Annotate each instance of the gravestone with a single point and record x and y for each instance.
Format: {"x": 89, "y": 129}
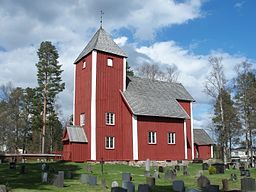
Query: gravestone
{"x": 242, "y": 172}
{"x": 156, "y": 174}
{"x": 84, "y": 178}
{"x": 143, "y": 188}
{"x": 58, "y": 180}
{"x": 205, "y": 166}
{"x": 150, "y": 181}
{"x": 12, "y": 165}
{"x": 248, "y": 184}
{"x": 92, "y": 180}
{"x": 203, "y": 182}
{"x": 224, "y": 184}
{"x": 3, "y": 188}
{"x": 147, "y": 165}
{"x": 247, "y": 173}
{"x": 161, "y": 169}
{"x": 212, "y": 188}
{"x": 129, "y": 186}
{"x": 126, "y": 176}
{"x": 68, "y": 175}
{"x": 118, "y": 189}
{"x": 0, "y": 161}
{"x": 220, "y": 168}
{"x": 44, "y": 177}
{"x": 170, "y": 174}
{"x": 178, "y": 186}
{"x": 114, "y": 184}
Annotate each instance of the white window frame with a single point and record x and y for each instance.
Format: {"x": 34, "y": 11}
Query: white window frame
{"x": 110, "y": 62}
{"x": 110, "y": 142}
{"x": 151, "y": 137}
{"x": 171, "y": 138}
{"x": 82, "y": 119}
{"x": 110, "y": 118}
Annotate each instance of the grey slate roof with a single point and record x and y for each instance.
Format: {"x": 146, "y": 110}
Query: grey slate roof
{"x": 101, "y": 41}
{"x": 201, "y": 137}
{"x": 156, "y": 98}
{"x": 76, "y": 134}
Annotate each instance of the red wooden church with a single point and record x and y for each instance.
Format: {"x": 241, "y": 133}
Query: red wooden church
{"x": 125, "y": 118}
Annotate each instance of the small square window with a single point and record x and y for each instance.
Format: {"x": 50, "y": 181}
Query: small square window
{"x": 110, "y": 118}
{"x": 171, "y": 138}
{"x": 84, "y": 64}
{"x": 109, "y": 142}
{"x": 82, "y": 119}
{"x": 110, "y": 62}
{"x": 152, "y": 137}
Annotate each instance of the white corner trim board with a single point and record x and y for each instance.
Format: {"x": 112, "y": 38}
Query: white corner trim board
{"x": 124, "y": 74}
{"x": 93, "y": 106}
{"x": 185, "y": 139}
{"x": 192, "y": 130}
{"x": 135, "y": 137}
{"x": 74, "y": 95}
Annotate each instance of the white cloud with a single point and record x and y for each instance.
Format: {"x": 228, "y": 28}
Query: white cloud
{"x": 121, "y": 41}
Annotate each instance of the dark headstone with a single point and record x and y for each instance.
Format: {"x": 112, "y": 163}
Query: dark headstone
{"x": 242, "y": 172}
{"x": 203, "y": 182}
{"x": 225, "y": 184}
{"x": 150, "y": 181}
{"x": 3, "y": 188}
{"x": 248, "y": 184}
{"x": 12, "y": 165}
{"x": 241, "y": 168}
{"x": 220, "y": 168}
{"x": 212, "y": 188}
{"x": 205, "y": 166}
{"x": 143, "y": 188}
{"x": 118, "y": 189}
{"x": 178, "y": 186}
{"x": 161, "y": 169}
{"x": 68, "y": 175}
{"x": 126, "y": 176}
{"x": 129, "y": 186}
{"x": 247, "y": 173}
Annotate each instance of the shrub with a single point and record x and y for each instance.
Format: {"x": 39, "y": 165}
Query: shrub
{"x": 212, "y": 170}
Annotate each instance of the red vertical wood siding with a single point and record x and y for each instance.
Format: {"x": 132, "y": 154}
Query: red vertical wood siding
{"x": 83, "y": 99}
{"x": 204, "y": 151}
{"x": 78, "y": 152}
{"x": 186, "y": 106}
{"x": 108, "y": 99}
{"x": 161, "y": 150}
{"x": 127, "y": 132}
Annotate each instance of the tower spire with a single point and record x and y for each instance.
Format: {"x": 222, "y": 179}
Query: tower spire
{"x": 101, "y": 18}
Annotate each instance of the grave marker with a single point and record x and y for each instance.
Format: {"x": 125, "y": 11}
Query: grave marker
{"x": 248, "y": 184}
{"x": 118, "y": 189}
{"x": 178, "y": 186}
{"x": 143, "y": 188}
{"x": 161, "y": 169}
{"x": 58, "y": 180}
{"x": 126, "y": 176}
{"x": 114, "y": 184}
{"x": 150, "y": 181}
{"x": 203, "y": 181}
{"x": 147, "y": 165}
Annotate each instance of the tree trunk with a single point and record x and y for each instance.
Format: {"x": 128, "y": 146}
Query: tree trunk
{"x": 44, "y": 121}
{"x": 224, "y": 158}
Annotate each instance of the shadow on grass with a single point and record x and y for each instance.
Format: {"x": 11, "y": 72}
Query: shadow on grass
{"x": 31, "y": 179}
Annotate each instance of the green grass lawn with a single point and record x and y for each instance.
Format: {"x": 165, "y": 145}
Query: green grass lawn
{"x": 31, "y": 181}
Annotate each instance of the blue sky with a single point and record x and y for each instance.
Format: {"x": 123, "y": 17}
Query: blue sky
{"x": 184, "y": 33}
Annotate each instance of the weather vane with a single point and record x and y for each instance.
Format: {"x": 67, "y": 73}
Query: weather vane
{"x": 101, "y": 15}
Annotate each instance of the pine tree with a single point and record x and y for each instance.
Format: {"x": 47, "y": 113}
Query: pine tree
{"x": 129, "y": 71}
{"x": 49, "y": 81}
